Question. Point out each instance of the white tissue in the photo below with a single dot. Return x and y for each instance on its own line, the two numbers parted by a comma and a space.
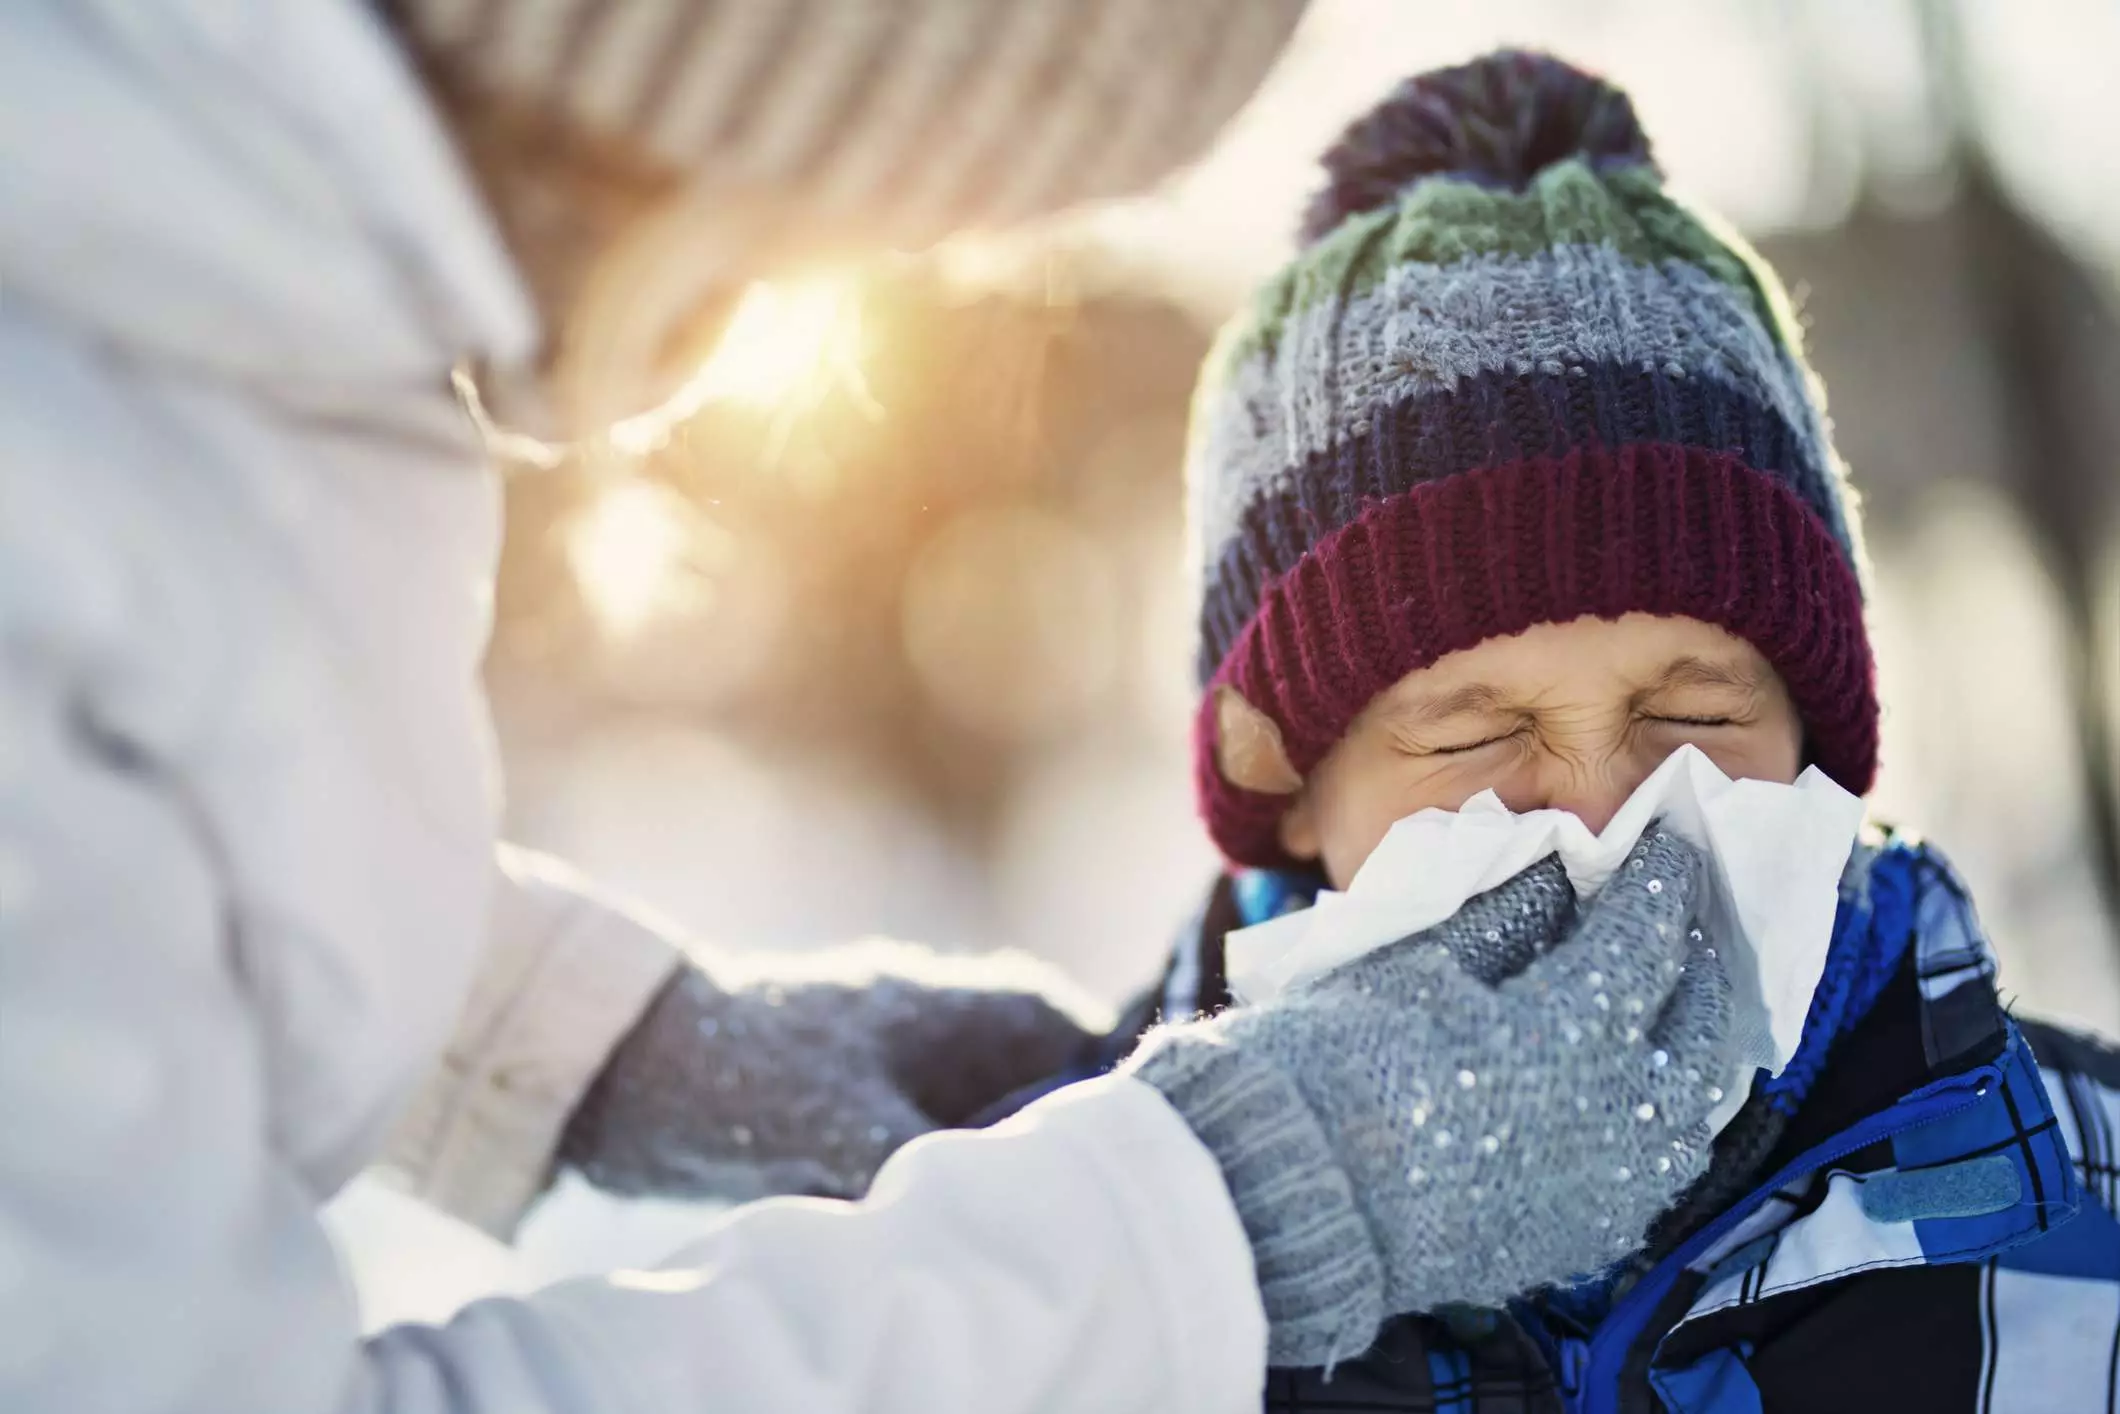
1776, 854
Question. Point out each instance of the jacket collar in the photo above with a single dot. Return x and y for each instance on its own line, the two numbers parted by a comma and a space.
1930, 1140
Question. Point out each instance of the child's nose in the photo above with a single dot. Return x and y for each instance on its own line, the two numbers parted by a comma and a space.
1593, 792
1593, 808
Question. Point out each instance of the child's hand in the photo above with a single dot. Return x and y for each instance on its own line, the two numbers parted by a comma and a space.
1402, 1134
807, 1080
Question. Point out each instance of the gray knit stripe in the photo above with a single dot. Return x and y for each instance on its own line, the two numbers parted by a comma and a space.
1427, 327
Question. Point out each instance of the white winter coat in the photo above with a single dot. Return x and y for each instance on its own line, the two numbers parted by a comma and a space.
246, 813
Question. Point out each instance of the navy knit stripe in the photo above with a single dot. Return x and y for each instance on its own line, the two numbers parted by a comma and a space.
1483, 421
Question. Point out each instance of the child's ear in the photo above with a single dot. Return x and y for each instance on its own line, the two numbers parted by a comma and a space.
1250, 753
1248, 748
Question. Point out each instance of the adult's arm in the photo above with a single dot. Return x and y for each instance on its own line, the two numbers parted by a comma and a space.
159, 1254
564, 977
593, 1039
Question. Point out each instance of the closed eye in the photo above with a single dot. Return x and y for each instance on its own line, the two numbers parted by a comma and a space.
1692, 721
1470, 746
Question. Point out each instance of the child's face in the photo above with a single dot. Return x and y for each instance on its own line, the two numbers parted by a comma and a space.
1571, 716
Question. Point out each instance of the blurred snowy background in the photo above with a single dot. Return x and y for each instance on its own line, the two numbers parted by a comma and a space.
894, 636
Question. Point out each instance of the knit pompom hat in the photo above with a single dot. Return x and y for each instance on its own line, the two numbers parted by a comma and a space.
1508, 381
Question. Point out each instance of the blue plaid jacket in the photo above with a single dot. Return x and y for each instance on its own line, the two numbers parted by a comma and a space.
1933, 1231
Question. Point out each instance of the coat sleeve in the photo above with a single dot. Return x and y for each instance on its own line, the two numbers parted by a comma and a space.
1082, 1256
563, 978
157, 1253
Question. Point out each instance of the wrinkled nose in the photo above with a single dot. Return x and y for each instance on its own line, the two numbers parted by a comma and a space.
1593, 793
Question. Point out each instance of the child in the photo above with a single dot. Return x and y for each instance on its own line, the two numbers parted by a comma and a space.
1515, 478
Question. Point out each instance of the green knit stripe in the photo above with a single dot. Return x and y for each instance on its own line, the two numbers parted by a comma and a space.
1443, 220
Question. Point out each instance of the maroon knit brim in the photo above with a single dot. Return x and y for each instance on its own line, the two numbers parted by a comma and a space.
1648, 528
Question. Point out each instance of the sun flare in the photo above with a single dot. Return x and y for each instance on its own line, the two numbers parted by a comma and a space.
785, 349
632, 551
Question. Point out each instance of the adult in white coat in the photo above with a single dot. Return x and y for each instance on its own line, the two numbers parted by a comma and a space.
247, 802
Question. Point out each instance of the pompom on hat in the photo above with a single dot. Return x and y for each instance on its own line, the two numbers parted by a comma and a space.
1509, 380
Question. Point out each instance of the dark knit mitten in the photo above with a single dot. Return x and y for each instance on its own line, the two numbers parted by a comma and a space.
805, 1080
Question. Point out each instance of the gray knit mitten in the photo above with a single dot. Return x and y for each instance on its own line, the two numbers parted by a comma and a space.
805, 1080
1506, 1100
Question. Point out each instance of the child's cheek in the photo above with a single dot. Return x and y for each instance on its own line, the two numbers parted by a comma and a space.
1754, 756
1357, 820
1447, 782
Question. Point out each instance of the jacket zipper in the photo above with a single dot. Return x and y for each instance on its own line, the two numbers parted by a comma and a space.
1616, 1334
